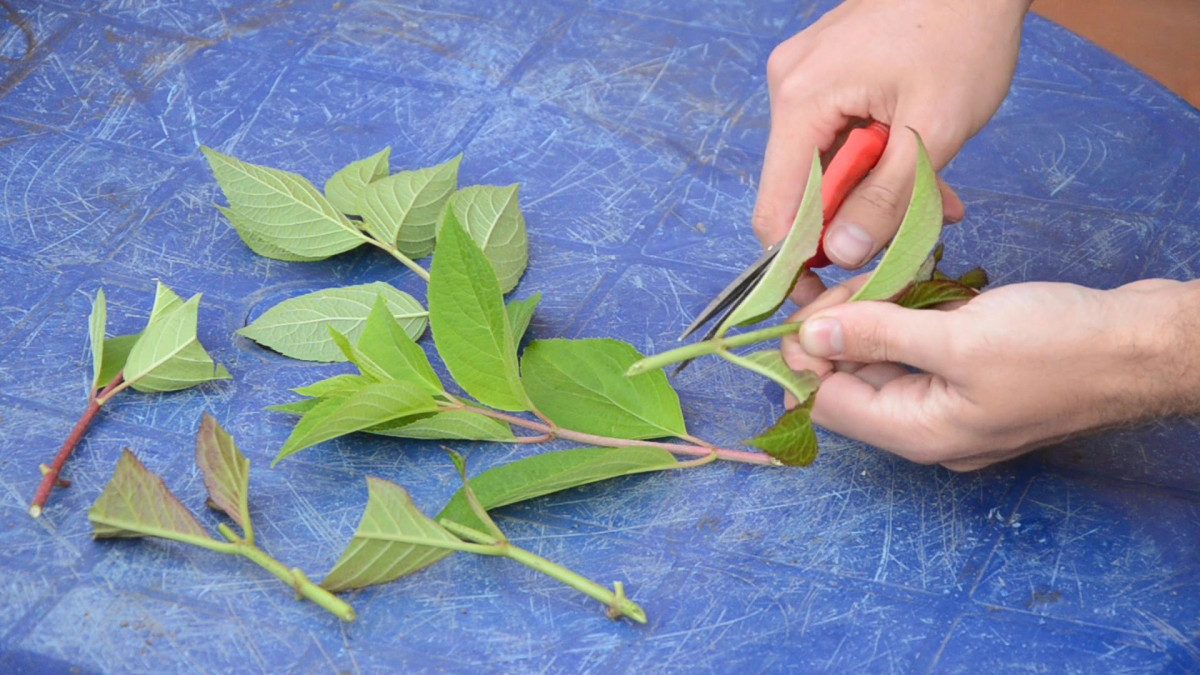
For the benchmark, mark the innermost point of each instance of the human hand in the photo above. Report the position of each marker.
(940, 67)
(1015, 368)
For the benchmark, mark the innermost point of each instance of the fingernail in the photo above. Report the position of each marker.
(849, 243)
(822, 337)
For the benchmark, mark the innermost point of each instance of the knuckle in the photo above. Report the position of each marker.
(881, 197)
(765, 223)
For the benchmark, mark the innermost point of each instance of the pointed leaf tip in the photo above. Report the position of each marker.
(137, 503)
(226, 470)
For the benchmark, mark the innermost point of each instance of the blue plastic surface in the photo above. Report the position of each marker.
(636, 131)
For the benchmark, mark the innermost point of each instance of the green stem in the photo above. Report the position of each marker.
(617, 603)
(699, 450)
(712, 346)
(293, 577)
(405, 260)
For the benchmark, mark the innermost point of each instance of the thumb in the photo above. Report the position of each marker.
(872, 332)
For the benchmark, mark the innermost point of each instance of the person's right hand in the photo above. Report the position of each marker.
(941, 67)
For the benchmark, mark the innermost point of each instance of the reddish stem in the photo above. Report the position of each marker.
(50, 478)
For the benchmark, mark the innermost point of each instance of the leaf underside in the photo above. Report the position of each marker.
(97, 322)
(168, 356)
(136, 503)
(299, 327)
(800, 385)
(404, 208)
(226, 470)
(393, 539)
(342, 188)
(492, 216)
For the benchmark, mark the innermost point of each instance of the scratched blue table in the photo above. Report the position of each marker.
(636, 130)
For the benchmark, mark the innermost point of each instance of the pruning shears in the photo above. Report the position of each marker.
(850, 164)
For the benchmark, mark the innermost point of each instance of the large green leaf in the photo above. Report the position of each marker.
(404, 208)
(168, 356)
(385, 352)
(581, 385)
(343, 384)
(492, 215)
(769, 363)
(459, 425)
(282, 209)
(469, 321)
(342, 188)
(797, 247)
(257, 243)
(136, 503)
(226, 471)
(792, 440)
(393, 539)
(370, 406)
(914, 241)
(520, 313)
(299, 327)
(550, 472)
(97, 322)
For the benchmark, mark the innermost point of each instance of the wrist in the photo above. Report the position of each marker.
(1160, 322)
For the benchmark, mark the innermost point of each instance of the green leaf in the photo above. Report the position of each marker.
(492, 215)
(282, 209)
(370, 406)
(770, 364)
(550, 472)
(976, 278)
(914, 241)
(168, 356)
(226, 471)
(295, 407)
(385, 352)
(460, 425)
(393, 539)
(792, 440)
(924, 294)
(165, 300)
(342, 188)
(470, 324)
(520, 313)
(404, 208)
(798, 246)
(257, 243)
(97, 322)
(345, 383)
(581, 385)
(136, 503)
(299, 327)
(116, 352)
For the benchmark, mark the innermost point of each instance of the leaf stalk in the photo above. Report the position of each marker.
(713, 346)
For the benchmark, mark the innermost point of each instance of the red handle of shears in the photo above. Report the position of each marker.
(857, 156)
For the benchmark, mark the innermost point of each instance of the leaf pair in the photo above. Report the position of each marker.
(281, 215)
(165, 356)
(137, 503)
(395, 539)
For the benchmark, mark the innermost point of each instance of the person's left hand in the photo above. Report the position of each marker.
(1015, 368)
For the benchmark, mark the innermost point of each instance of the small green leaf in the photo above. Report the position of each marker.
(338, 384)
(581, 385)
(404, 208)
(299, 327)
(385, 352)
(226, 471)
(792, 440)
(136, 503)
(460, 425)
(550, 472)
(976, 278)
(478, 510)
(342, 188)
(168, 356)
(798, 246)
(771, 365)
(925, 294)
(97, 322)
(520, 313)
(116, 352)
(165, 300)
(914, 241)
(257, 243)
(370, 406)
(393, 539)
(492, 215)
(469, 321)
(282, 209)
